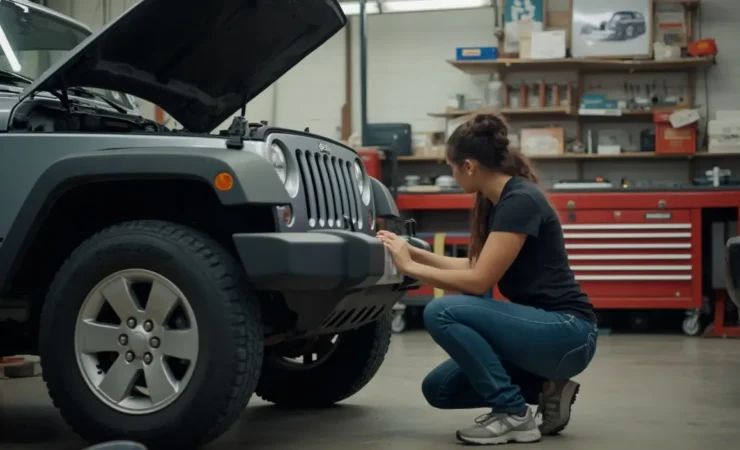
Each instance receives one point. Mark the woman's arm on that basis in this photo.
(517, 217)
(439, 261)
(497, 255)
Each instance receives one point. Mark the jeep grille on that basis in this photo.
(330, 193)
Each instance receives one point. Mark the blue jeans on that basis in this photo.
(501, 352)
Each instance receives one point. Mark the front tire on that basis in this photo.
(148, 334)
(349, 362)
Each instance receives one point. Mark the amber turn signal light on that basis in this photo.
(224, 181)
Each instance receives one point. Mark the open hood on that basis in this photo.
(199, 60)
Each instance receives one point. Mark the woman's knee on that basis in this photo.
(436, 385)
(433, 389)
(430, 388)
(435, 312)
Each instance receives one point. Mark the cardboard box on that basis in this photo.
(724, 128)
(720, 146)
(670, 140)
(543, 141)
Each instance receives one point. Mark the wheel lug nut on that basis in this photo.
(148, 358)
(131, 322)
(123, 339)
(129, 356)
(148, 325)
(154, 342)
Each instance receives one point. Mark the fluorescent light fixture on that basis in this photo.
(397, 6)
(353, 8)
(9, 53)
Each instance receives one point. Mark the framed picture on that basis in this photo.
(609, 29)
(522, 17)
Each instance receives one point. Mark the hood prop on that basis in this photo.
(61, 94)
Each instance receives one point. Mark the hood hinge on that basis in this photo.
(238, 129)
(236, 132)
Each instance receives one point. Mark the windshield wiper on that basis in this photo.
(8, 75)
(103, 98)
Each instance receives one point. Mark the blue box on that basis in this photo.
(597, 101)
(477, 53)
(593, 101)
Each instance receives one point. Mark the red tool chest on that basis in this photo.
(635, 258)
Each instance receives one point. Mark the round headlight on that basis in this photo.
(359, 176)
(277, 158)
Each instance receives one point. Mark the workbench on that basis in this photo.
(629, 248)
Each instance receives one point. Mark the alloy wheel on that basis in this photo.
(136, 341)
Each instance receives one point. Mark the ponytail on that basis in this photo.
(479, 225)
(521, 166)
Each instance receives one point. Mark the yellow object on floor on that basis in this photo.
(439, 249)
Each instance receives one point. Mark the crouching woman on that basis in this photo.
(504, 355)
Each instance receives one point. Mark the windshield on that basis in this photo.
(618, 17)
(32, 40)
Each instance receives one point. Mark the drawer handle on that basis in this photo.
(625, 246)
(633, 277)
(629, 226)
(628, 267)
(658, 216)
(623, 257)
(626, 235)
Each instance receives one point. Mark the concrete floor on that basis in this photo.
(640, 392)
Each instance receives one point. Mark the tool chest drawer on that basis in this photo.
(632, 254)
(653, 217)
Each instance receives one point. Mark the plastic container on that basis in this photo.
(495, 92)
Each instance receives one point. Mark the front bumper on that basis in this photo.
(326, 260)
(331, 280)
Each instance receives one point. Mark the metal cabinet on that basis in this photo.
(635, 258)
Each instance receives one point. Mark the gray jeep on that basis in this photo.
(164, 276)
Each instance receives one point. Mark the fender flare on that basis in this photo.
(255, 182)
(385, 205)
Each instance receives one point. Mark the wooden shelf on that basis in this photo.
(582, 65)
(629, 115)
(593, 157)
(550, 110)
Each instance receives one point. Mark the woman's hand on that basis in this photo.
(398, 247)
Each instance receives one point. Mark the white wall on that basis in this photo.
(408, 75)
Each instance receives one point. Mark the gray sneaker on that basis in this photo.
(500, 428)
(555, 405)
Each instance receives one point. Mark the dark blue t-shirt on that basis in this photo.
(540, 276)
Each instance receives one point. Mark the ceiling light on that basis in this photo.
(396, 6)
(353, 8)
